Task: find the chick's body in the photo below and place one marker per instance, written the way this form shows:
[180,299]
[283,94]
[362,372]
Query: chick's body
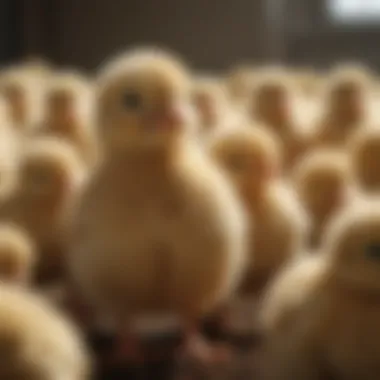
[321,316]
[324,186]
[278,234]
[158,229]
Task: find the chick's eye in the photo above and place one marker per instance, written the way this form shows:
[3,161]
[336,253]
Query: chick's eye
[132,100]
[236,164]
[373,251]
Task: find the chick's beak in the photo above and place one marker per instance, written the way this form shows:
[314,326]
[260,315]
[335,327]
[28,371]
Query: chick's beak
[170,117]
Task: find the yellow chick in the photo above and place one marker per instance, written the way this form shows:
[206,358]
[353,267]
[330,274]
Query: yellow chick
[37,343]
[347,97]
[321,318]
[324,185]
[251,158]
[211,102]
[68,113]
[159,230]
[17,255]
[364,152]
[272,104]
[50,176]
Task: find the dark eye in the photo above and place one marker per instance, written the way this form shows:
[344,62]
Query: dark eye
[132,100]
[373,251]
[237,164]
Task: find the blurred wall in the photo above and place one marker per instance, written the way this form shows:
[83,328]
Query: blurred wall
[210,34]
[313,38]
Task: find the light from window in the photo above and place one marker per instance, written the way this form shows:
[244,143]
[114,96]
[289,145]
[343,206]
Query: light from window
[354,11]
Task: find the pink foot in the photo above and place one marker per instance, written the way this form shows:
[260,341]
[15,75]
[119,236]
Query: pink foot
[205,353]
[128,349]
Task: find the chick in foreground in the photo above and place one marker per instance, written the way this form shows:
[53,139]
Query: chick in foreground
[321,318]
[324,185]
[159,231]
[37,343]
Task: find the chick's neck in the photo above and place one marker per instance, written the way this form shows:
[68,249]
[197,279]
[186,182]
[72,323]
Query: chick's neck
[152,158]
[255,196]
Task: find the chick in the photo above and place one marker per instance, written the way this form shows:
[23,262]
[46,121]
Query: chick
[159,230]
[252,159]
[321,319]
[347,97]
[17,255]
[9,153]
[324,185]
[68,113]
[272,104]
[239,83]
[50,175]
[23,95]
[36,342]
[365,159]
[308,81]
[211,102]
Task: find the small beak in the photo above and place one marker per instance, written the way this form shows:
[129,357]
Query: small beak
[168,118]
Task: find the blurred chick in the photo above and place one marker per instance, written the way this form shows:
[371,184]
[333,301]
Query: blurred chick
[252,159]
[239,83]
[273,105]
[17,255]
[36,342]
[22,94]
[50,175]
[365,160]
[324,185]
[9,153]
[211,102]
[346,108]
[159,230]
[67,113]
[321,318]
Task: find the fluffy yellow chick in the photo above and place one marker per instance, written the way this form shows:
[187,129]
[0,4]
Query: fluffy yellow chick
[252,159]
[321,318]
[17,255]
[50,175]
[239,83]
[272,104]
[9,153]
[23,94]
[68,113]
[365,159]
[159,231]
[37,343]
[345,110]
[324,185]
[211,101]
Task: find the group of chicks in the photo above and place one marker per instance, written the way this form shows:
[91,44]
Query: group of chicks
[240,211]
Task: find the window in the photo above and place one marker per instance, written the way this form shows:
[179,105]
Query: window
[354,11]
